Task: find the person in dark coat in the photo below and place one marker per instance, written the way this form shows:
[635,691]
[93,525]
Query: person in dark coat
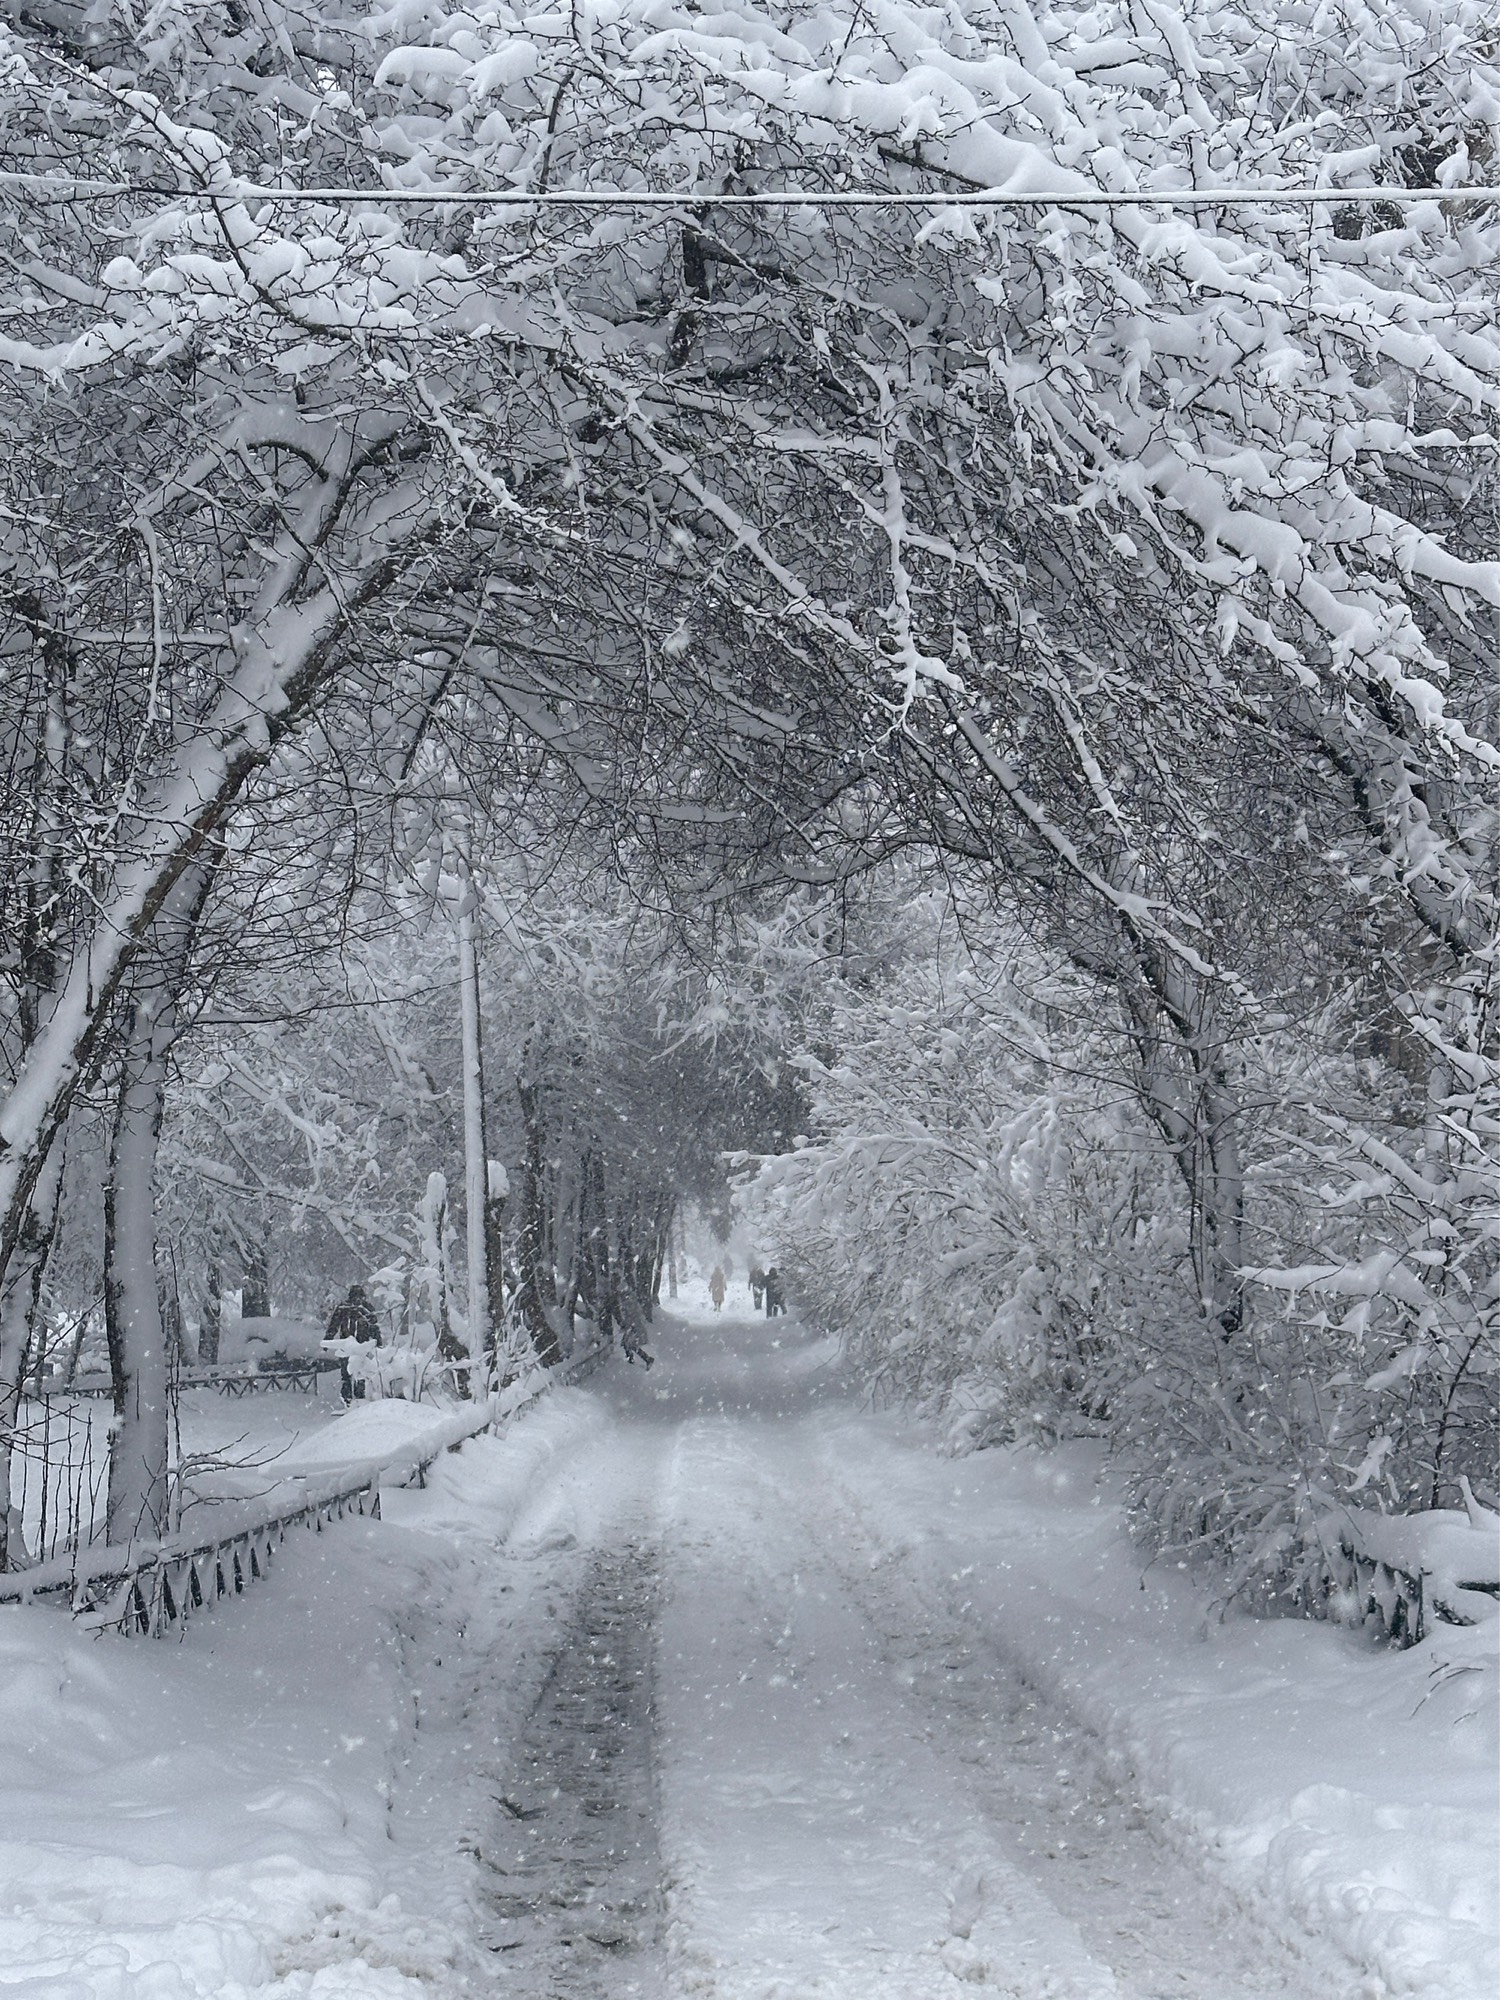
[775,1298]
[352,1318]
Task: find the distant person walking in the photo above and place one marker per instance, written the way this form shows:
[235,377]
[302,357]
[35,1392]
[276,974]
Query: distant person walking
[353,1318]
[716,1288]
[775,1297]
[757,1286]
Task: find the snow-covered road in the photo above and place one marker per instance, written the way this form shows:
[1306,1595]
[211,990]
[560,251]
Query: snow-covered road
[711,1682]
[857,1796]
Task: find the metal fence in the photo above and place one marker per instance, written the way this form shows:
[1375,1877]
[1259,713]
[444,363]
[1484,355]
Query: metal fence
[59,1465]
[1404,1597]
[270,1377]
[147,1587]
[59,1447]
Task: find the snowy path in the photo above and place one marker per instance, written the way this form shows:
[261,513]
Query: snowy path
[857,1799]
[709,1684]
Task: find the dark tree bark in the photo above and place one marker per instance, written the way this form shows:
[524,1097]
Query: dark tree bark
[494,1267]
[211,1314]
[21,1333]
[255,1298]
[138,1481]
[536,1298]
[139,1492]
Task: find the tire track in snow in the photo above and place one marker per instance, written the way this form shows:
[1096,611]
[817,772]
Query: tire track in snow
[574,1897]
[864,1801]
[1040,1779]
[819,1847]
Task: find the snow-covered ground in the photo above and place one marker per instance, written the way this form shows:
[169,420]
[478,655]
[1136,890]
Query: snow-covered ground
[707,1681]
[228,1443]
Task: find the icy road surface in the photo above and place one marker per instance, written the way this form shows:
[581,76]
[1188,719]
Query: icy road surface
[764,1766]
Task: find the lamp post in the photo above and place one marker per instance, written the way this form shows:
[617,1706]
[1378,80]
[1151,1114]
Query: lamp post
[476,1156]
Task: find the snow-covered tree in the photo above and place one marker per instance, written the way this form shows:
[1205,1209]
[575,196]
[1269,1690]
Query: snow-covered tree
[1136,557]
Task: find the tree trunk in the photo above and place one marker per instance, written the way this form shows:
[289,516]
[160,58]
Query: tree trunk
[75,1349]
[1185,1089]
[211,1314]
[1180,1028]
[586,1245]
[20,1301]
[36,963]
[600,1264]
[536,1299]
[255,1296]
[171,1321]
[433,1226]
[138,1459]
[476,1151]
[139,1487]
[660,1251]
[494,1252]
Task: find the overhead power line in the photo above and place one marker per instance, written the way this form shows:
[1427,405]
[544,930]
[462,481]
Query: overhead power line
[689,200]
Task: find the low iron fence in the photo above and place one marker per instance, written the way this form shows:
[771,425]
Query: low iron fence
[1407,1572]
[149,1586]
[251,1381]
[59,1445]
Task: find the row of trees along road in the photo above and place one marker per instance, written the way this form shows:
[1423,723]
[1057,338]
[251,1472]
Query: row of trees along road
[1132,568]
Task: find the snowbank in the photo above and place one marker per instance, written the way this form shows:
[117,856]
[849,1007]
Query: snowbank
[274,1806]
[385,1438]
[252,1341]
[208,1820]
[1342,1786]
[374,1430]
